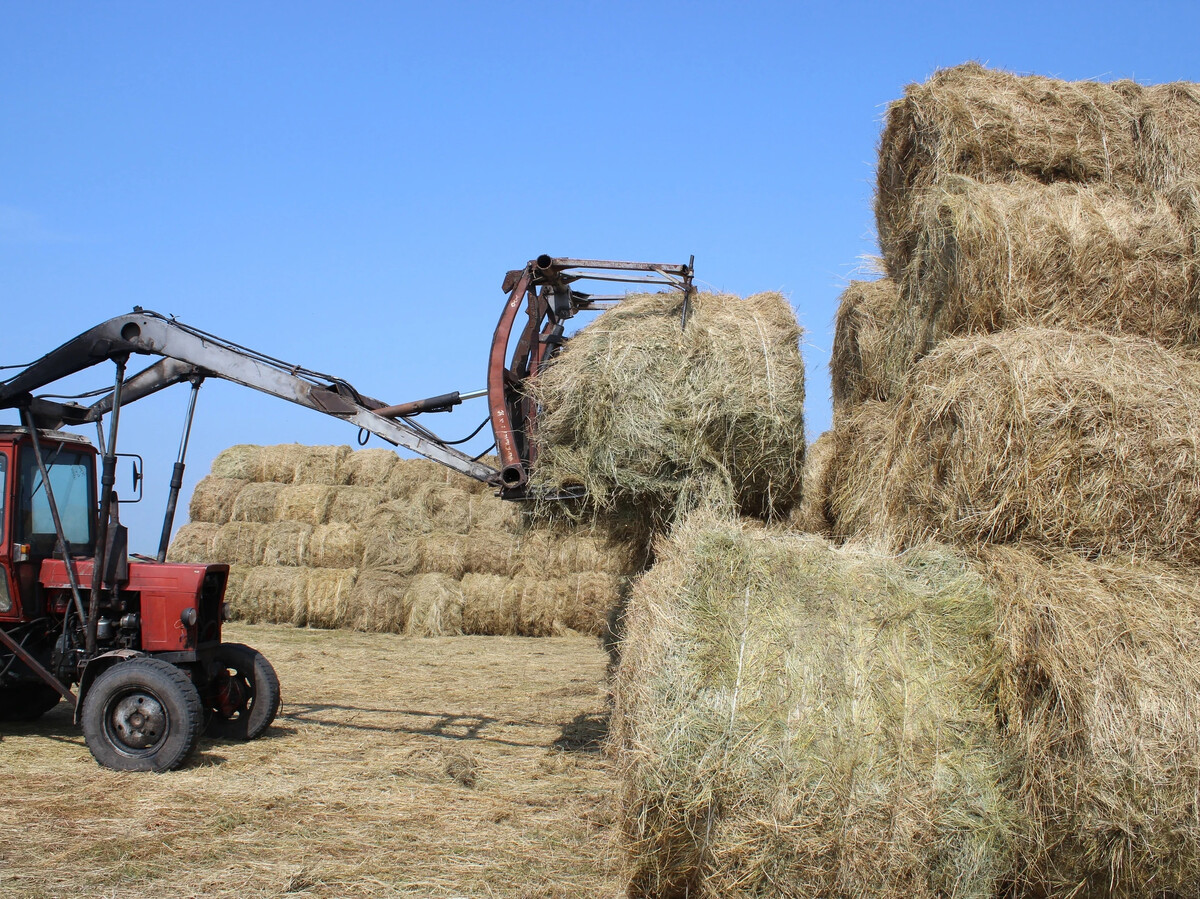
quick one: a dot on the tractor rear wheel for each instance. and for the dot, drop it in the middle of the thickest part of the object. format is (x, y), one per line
(141, 715)
(27, 702)
(243, 698)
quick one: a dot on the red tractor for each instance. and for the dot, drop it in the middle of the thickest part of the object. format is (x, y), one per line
(141, 637)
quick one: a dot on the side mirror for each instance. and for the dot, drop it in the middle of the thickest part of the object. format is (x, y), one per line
(136, 467)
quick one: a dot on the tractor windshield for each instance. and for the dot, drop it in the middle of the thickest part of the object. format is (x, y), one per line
(70, 474)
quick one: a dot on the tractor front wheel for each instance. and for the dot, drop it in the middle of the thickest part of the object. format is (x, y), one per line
(143, 714)
(242, 698)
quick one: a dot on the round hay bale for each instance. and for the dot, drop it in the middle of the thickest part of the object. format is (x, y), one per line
(861, 366)
(448, 507)
(993, 125)
(794, 719)
(1169, 134)
(323, 465)
(1100, 706)
(444, 553)
(369, 468)
(650, 417)
(237, 608)
(335, 546)
(379, 601)
(257, 502)
(386, 544)
(304, 502)
(856, 472)
(489, 552)
(535, 603)
(238, 463)
(328, 597)
(435, 604)
(409, 474)
(488, 605)
(193, 542)
(814, 514)
(1071, 440)
(353, 505)
(213, 499)
(991, 257)
(274, 594)
(241, 543)
(585, 604)
(277, 464)
(287, 544)
(492, 513)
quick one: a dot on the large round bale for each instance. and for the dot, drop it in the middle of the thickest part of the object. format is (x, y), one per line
(238, 462)
(444, 553)
(1100, 705)
(369, 468)
(650, 417)
(814, 514)
(535, 603)
(335, 546)
(586, 600)
(996, 256)
(353, 505)
(490, 552)
(304, 502)
(241, 543)
(862, 364)
(213, 499)
(435, 604)
(328, 597)
(287, 543)
(855, 474)
(324, 465)
(257, 502)
(1075, 440)
(274, 594)
(379, 601)
(388, 544)
(193, 542)
(795, 720)
(409, 474)
(992, 125)
(1169, 133)
(489, 606)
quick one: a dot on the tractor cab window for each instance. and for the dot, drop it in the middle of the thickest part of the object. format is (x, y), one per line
(70, 474)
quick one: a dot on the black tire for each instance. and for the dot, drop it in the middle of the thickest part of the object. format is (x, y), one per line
(27, 702)
(142, 715)
(242, 699)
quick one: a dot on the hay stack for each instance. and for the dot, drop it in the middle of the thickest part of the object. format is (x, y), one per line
(864, 332)
(1100, 702)
(650, 417)
(1073, 440)
(800, 720)
(813, 515)
(383, 544)
(993, 125)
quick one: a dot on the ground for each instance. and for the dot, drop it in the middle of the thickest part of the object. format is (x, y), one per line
(453, 767)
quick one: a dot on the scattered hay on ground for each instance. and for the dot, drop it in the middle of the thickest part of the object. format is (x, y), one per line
(1100, 705)
(650, 417)
(1074, 440)
(794, 720)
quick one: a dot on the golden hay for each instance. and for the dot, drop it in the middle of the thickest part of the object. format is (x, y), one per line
(257, 502)
(489, 606)
(335, 546)
(797, 720)
(435, 604)
(814, 514)
(369, 467)
(328, 597)
(304, 502)
(1080, 441)
(444, 554)
(213, 499)
(241, 543)
(993, 125)
(353, 505)
(323, 465)
(271, 593)
(1100, 704)
(378, 601)
(238, 462)
(194, 543)
(491, 552)
(535, 602)
(385, 544)
(651, 418)
(287, 544)
(989, 257)
(1169, 134)
(586, 601)
(861, 363)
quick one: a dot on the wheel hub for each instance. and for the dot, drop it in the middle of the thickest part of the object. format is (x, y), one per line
(139, 721)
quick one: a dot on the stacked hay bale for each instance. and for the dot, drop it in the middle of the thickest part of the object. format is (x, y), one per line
(327, 537)
(1032, 396)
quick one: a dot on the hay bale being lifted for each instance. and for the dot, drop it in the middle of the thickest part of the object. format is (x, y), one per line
(1075, 440)
(651, 417)
(993, 125)
(990, 257)
(1100, 702)
(798, 720)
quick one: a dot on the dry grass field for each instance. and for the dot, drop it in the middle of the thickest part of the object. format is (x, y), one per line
(450, 767)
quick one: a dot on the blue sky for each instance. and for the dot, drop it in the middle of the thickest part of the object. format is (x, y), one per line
(343, 185)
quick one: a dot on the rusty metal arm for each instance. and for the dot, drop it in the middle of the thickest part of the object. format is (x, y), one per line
(188, 352)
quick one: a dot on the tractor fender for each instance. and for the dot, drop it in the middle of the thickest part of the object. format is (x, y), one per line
(97, 666)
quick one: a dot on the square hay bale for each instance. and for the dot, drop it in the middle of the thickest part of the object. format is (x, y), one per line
(214, 497)
(308, 503)
(1100, 707)
(1081, 441)
(650, 417)
(794, 719)
(993, 125)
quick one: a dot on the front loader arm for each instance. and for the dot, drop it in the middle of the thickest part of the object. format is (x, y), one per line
(189, 353)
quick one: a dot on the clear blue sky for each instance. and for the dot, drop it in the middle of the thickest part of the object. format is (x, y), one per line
(344, 184)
